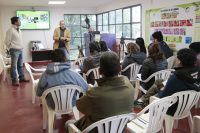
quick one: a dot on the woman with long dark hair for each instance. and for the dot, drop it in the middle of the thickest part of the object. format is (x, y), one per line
(140, 41)
(156, 61)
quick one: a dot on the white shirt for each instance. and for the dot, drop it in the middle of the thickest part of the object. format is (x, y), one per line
(13, 38)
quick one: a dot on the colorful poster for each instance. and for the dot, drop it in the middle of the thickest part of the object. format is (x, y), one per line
(179, 24)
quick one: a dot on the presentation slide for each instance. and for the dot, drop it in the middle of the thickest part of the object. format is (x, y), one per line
(34, 20)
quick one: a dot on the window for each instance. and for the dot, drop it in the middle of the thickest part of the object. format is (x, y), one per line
(124, 22)
(76, 23)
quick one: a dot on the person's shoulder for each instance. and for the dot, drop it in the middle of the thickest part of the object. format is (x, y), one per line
(94, 91)
(10, 29)
(148, 60)
(57, 28)
(88, 59)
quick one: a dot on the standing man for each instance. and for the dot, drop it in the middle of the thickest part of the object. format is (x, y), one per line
(13, 42)
(61, 37)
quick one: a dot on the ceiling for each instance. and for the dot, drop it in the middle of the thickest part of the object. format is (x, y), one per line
(69, 3)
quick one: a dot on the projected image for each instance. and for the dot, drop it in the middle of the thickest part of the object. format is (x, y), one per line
(34, 19)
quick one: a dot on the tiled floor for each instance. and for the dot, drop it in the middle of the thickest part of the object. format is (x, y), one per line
(19, 115)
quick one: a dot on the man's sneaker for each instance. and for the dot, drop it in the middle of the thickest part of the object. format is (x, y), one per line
(15, 83)
(24, 80)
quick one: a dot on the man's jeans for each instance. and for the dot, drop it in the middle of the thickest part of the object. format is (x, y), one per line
(16, 64)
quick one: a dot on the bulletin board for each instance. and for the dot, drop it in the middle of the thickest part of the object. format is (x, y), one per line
(179, 24)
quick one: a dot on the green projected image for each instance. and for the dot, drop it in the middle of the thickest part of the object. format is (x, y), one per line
(34, 20)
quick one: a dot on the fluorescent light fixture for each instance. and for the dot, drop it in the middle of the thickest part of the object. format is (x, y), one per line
(56, 2)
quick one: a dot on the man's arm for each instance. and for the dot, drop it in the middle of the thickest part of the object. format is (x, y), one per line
(8, 38)
(41, 85)
(81, 82)
(84, 104)
(170, 87)
(55, 35)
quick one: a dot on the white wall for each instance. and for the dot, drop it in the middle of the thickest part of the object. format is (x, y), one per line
(57, 14)
(42, 35)
(146, 5)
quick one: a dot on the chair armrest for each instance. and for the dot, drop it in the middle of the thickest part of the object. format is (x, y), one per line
(76, 113)
(39, 70)
(152, 98)
(73, 129)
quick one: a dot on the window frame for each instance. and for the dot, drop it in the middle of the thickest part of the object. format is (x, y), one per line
(131, 22)
(81, 37)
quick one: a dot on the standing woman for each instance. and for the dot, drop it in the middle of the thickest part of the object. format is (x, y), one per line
(158, 38)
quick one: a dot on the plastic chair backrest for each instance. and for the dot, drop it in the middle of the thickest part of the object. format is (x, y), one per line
(95, 72)
(2, 61)
(80, 61)
(162, 74)
(114, 124)
(170, 62)
(157, 110)
(186, 100)
(134, 70)
(62, 96)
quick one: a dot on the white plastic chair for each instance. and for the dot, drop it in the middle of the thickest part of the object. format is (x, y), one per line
(114, 124)
(79, 61)
(196, 123)
(134, 70)
(152, 121)
(198, 103)
(4, 65)
(34, 82)
(62, 97)
(162, 74)
(95, 72)
(186, 100)
(171, 61)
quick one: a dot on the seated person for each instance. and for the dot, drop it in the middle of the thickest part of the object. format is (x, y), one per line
(195, 46)
(59, 73)
(154, 62)
(92, 61)
(185, 77)
(134, 56)
(140, 41)
(113, 96)
(103, 46)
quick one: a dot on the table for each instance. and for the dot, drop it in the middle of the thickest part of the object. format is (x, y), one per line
(41, 55)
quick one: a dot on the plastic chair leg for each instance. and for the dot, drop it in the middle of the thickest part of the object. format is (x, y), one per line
(51, 117)
(4, 74)
(169, 122)
(175, 124)
(190, 121)
(33, 94)
(137, 85)
(45, 116)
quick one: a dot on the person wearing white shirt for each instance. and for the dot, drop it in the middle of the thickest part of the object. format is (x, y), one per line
(13, 42)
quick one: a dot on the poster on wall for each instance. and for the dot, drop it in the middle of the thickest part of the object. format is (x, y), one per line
(179, 24)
